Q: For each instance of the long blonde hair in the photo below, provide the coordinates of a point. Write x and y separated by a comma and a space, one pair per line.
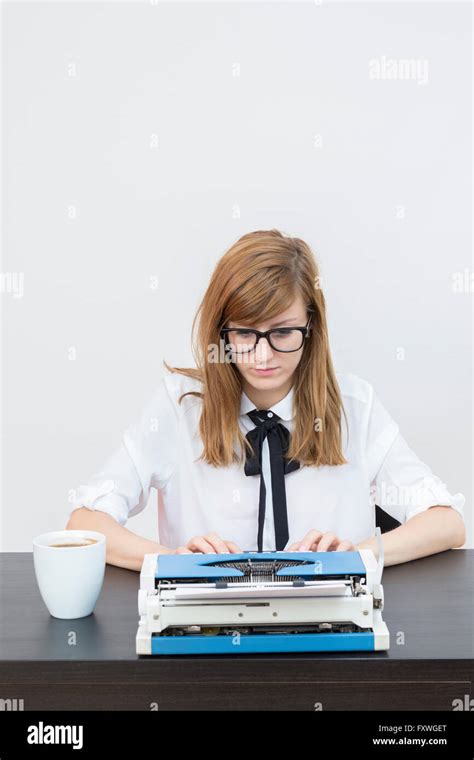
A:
257, 278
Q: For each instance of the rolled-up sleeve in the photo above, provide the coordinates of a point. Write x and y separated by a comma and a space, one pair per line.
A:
401, 483
406, 486
145, 458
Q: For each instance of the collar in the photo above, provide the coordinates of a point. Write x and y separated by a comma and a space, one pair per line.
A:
283, 408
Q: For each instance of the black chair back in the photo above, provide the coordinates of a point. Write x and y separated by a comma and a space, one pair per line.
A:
384, 521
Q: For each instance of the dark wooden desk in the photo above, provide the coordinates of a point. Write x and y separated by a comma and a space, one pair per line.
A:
90, 663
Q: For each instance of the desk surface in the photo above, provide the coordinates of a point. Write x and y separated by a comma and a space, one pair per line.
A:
428, 606
429, 602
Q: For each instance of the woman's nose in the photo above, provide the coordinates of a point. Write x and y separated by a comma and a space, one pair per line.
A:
263, 350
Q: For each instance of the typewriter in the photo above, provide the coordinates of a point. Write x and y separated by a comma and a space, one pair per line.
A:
257, 602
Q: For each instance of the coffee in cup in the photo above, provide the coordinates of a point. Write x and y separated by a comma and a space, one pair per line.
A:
82, 543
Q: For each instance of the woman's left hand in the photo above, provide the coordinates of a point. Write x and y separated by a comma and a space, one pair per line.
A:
315, 541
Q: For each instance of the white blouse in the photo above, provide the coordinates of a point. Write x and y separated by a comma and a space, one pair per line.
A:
160, 450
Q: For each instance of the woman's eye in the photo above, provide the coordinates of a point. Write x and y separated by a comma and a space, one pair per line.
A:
282, 333
243, 332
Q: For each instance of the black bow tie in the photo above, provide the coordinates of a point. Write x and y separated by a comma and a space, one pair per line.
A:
268, 424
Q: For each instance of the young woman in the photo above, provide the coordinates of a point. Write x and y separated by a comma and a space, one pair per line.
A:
263, 446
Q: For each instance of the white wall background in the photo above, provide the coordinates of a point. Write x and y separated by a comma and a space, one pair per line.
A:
141, 140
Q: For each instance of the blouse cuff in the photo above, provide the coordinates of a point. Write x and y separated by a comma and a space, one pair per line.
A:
101, 498
432, 492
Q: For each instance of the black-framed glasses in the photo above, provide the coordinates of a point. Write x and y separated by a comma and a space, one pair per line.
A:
241, 340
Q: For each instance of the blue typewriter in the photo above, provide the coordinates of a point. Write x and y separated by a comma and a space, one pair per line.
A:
261, 602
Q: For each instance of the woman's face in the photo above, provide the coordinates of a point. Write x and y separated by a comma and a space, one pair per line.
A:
279, 365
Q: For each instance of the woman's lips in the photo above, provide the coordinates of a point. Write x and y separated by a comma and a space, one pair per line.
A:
267, 371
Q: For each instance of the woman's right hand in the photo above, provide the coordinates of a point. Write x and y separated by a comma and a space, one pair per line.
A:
211, 543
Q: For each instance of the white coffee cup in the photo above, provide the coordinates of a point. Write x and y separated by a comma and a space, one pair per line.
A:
69, 577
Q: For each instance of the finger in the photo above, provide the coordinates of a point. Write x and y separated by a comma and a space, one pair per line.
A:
308, 540
233, 548
217, 542
199, 543
182, 550
293, 547
327, 541
345, 546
